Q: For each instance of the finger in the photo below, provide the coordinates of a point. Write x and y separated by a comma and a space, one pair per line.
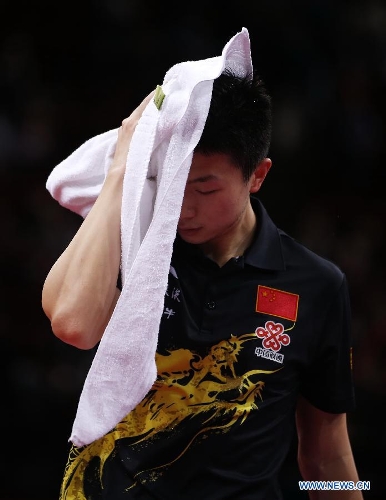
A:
136, 114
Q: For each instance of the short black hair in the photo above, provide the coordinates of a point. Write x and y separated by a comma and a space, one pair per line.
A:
239, 122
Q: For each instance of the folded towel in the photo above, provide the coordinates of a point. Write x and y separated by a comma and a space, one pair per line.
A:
160, 155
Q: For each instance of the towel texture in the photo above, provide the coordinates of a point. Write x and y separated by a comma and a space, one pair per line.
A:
123, 369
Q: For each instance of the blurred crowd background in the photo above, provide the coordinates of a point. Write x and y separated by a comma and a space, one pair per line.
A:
71, 70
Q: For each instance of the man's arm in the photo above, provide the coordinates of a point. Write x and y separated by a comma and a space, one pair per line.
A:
324, 452
80, 291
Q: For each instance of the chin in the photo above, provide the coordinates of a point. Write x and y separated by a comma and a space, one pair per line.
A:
193, 236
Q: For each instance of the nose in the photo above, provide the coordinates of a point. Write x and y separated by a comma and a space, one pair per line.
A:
187, 209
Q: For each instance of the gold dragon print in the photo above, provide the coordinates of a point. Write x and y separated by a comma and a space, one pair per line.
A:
187, 386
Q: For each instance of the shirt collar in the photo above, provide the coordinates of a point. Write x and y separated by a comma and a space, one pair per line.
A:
265, 251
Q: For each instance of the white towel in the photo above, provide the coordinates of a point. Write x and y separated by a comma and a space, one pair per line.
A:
123, 369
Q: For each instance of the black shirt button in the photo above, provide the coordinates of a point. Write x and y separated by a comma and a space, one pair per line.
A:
211, 305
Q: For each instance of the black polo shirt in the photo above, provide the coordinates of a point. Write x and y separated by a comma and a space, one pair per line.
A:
237, 345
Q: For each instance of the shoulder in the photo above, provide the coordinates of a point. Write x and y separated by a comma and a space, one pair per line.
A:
274, 249
312, 265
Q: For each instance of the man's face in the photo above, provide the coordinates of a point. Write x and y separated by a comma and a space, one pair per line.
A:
215, 201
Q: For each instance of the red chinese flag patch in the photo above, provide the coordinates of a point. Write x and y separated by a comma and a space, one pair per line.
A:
277, 303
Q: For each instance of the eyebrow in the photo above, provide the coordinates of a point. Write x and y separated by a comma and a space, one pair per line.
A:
204, 178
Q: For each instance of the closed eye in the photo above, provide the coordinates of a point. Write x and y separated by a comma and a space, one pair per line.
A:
207, 192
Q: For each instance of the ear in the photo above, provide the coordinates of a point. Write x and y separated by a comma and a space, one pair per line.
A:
259, 175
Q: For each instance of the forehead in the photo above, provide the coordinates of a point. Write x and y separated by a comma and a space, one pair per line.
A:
212, 168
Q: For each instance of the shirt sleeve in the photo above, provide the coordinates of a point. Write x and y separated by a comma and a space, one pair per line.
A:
328, 381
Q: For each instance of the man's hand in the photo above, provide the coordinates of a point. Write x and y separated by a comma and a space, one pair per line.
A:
125, 134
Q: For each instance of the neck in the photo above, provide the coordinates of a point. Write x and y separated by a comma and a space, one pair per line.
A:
235, 241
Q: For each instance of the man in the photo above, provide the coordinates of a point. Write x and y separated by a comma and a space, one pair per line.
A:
255, 332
